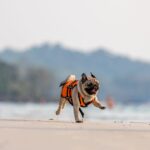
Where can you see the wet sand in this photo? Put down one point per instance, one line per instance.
(55, 135)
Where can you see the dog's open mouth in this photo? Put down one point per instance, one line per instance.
(91, 91)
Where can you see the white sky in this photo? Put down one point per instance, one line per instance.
(122, 26)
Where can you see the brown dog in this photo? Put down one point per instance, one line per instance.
(79, 93)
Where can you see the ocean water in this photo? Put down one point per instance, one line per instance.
(31, 111)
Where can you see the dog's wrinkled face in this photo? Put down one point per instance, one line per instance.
(90, 84)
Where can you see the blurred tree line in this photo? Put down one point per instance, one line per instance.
(26, 84)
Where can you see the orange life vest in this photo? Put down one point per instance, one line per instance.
(66, 92)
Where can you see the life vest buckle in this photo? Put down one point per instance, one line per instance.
(70, 87)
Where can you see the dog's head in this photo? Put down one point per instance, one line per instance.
(89, 84)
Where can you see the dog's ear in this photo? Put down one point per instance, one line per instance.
(93, 76)
(84, 77)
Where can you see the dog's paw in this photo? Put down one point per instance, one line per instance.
(102, 107)
(79, 121)
(57, 112)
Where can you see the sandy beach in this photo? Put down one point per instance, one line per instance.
(46, 135)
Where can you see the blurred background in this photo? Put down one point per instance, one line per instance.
(43, 41)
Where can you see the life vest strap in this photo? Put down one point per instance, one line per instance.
(81, 112)
(81, 100)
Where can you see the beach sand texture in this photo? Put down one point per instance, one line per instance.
(61, 135)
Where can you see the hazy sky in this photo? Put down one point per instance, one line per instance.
(122, 26)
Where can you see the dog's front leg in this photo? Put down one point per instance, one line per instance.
(76, 114)
(76, 106)
(97, 103)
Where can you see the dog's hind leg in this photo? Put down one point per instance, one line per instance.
(61, 105)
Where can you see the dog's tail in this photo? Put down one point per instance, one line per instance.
(69, 78)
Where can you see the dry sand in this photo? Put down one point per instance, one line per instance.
(53, 135)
